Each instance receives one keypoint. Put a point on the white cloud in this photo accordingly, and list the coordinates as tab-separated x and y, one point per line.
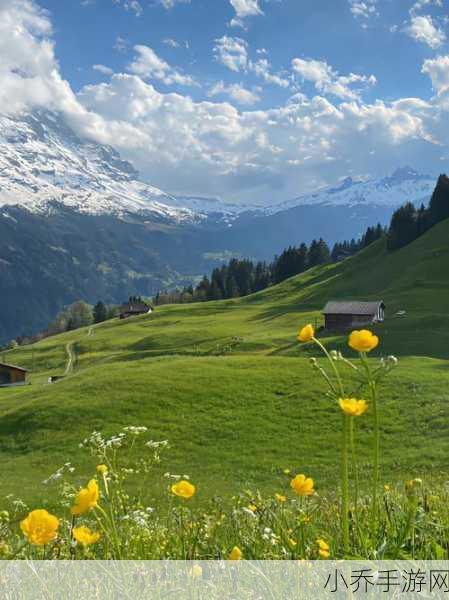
246	154
171	3
422	29
420	4
103	69
244	9
171	42
232	52
236	92
328	81
121	44
363	10
132	5
148	65
438	71
262	68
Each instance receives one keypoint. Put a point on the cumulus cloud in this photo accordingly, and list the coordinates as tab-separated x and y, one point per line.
148	65
232	52
438	71
328	81
236	92
246	154
244	9
420	4
423	29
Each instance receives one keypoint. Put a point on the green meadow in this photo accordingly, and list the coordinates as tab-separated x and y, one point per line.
232	390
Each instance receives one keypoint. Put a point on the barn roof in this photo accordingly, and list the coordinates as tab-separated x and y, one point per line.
352	308
15	367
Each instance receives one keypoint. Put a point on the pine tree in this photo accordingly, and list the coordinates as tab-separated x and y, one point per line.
100	312
439	203
403	227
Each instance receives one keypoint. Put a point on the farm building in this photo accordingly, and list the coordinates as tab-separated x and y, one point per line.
352	314
11	375
134	308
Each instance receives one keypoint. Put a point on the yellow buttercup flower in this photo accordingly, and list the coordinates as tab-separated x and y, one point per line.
323	548
40	527
306	333
86	499
85	536
252	508
183	489
386	488
302	485
196	572
363	341
235	554
353	407
280	498
102	470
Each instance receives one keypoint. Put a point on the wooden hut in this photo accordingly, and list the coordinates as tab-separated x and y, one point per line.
11	375
134	308
352	314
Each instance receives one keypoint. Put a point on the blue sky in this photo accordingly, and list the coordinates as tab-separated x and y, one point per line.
249	100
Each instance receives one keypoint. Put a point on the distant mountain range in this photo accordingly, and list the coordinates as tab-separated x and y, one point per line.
77	222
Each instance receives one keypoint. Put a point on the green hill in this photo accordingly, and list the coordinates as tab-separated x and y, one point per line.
231	389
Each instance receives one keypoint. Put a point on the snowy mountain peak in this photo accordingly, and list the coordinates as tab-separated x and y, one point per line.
404	184
43	161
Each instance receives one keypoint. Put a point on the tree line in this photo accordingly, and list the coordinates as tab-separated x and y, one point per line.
408	222
241	277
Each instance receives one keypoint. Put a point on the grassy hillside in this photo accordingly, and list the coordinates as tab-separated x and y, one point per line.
230	388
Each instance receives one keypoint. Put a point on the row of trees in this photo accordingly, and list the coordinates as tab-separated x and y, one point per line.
408	222
242	277
76	315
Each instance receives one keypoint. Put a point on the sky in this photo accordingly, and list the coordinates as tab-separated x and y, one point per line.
245	100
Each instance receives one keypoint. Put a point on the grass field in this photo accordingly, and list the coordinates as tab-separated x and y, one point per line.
227	384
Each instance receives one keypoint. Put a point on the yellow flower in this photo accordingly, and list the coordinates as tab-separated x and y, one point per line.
40	527
302	485
280	498
323	548
196	572
387	488
353	407
363	341
235	554
306	333
86	499
292	542
252	508
102	470
183	489
85	536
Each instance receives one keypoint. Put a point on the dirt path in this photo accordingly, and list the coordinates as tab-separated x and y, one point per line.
70	359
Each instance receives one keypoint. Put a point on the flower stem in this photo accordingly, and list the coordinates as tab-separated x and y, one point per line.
345	483
376	448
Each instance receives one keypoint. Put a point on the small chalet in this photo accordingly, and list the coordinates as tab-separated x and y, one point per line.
135	307
11	375
352	314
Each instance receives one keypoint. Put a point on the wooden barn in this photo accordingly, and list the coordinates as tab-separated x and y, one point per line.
11	375
134	308
352	314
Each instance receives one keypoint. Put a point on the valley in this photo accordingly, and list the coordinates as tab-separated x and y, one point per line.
230	388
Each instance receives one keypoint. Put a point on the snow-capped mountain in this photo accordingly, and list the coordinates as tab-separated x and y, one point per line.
405	184
42	161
